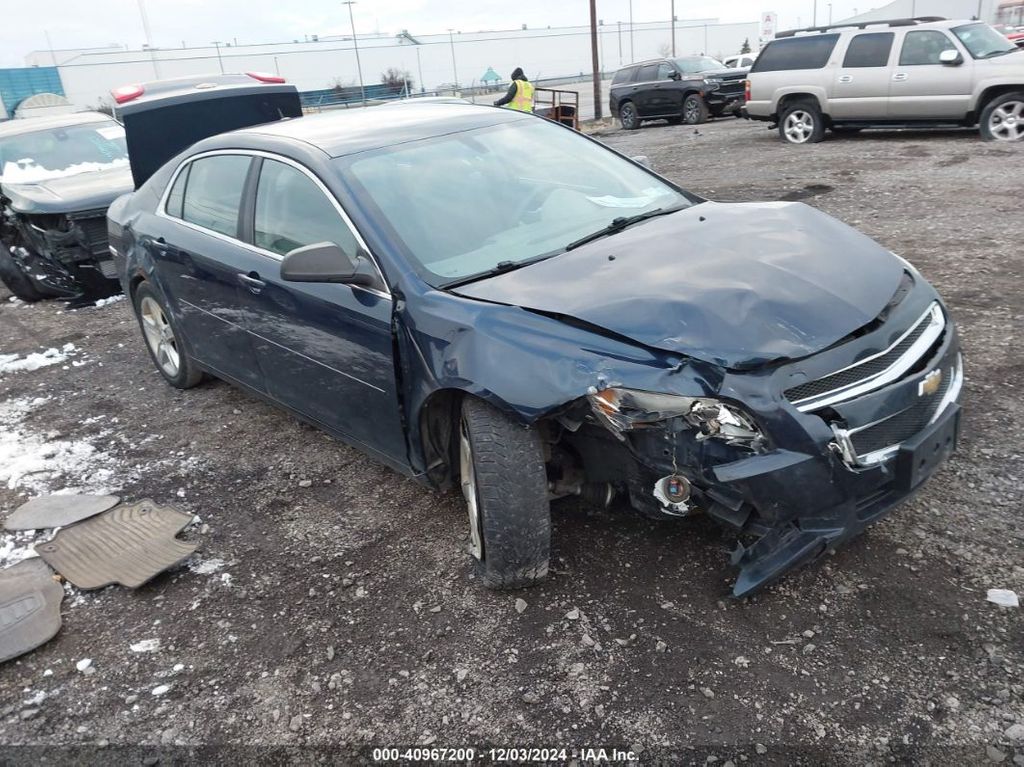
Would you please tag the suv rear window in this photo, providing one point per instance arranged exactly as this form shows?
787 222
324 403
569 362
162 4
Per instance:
808 52
870 50
624 75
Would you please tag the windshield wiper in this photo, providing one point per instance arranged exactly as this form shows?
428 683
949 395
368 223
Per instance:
501 267
620 223
993 54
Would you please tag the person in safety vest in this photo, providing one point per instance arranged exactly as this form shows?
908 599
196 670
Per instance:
520 93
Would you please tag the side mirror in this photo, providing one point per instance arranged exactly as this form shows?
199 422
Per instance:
642 159
327 262
674 76
951 57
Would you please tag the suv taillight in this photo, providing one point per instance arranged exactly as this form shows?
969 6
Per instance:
746 90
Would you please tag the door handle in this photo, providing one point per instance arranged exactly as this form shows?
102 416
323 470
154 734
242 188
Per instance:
160 245
252 281
899 77
846 78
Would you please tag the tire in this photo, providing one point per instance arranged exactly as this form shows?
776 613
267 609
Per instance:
15 278
628 116
501 467
1002 119
695 111
802 123
166 344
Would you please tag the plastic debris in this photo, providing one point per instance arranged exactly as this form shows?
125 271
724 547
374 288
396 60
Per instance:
1003 597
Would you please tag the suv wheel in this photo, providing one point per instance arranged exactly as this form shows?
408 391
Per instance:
1003 118
15 279
695 111
802 123
504 481
628 116
166 345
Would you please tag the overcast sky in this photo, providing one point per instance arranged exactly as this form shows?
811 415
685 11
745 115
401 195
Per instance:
84 23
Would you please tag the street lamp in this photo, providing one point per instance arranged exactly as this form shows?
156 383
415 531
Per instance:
217 44
355 46
673 28
455 70
632 54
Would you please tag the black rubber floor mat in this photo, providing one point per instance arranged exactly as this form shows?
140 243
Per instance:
129 545
58 511
29 607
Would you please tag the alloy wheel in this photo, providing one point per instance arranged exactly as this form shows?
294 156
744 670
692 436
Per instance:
799 126
468 480
160 337
627 115
692 114
1006 123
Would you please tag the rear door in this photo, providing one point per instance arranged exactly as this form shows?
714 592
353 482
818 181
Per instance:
326 350
195 248
646 95
861 87
923 88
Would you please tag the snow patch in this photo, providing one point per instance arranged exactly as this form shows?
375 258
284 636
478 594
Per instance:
107 301
26 171
206 567
146 645
12 363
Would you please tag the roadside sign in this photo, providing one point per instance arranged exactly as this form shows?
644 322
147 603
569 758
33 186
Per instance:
769 20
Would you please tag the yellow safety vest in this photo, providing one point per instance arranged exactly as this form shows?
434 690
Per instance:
523 100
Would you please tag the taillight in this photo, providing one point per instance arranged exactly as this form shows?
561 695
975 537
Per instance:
263 77
127 93
746 90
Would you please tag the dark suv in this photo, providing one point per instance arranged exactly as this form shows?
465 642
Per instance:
688 89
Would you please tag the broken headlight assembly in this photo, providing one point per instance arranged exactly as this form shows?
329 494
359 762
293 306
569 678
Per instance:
623 410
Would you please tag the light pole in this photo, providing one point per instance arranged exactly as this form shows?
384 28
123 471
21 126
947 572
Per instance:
149 41
419 68
620 42
594 60
455 70
217 44
814 18
830 14
355 47
673 28
632 53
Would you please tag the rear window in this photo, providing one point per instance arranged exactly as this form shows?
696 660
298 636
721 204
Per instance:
214 192
649 73
808 52
624 75
870 50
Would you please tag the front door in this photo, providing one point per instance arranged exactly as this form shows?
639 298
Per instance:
923 88
325 349
861 87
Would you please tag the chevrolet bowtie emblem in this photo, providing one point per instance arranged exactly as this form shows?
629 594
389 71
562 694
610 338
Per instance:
930 384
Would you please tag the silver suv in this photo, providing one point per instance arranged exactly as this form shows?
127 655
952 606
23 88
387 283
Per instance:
903 73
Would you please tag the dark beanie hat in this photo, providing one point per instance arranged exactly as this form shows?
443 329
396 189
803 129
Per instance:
518 74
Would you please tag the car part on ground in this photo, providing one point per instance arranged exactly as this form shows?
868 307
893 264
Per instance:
903 73
130 545
30 600
58 511
591 315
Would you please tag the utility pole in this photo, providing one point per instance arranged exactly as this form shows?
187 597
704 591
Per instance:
830 14
814 18
355 47
419 68
620 42
673 28
149 40
49 44
593 57
455 69
217 44
632 53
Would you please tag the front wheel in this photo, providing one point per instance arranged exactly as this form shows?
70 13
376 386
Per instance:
14 277
166 345
1003 118
695 111
802 123
628 116
504 482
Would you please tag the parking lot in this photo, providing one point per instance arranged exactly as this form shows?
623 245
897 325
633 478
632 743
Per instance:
331 604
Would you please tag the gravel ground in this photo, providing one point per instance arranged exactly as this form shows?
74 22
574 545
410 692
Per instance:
331 602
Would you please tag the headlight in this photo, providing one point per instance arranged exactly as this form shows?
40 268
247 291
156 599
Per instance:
713 83
628 409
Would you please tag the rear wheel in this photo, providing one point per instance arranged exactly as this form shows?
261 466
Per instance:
1003 118
628 116
15 278
802 123
166 345
504 482
695 111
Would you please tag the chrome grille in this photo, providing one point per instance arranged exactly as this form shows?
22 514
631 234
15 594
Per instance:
874 372
902 426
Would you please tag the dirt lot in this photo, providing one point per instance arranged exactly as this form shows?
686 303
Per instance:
331 603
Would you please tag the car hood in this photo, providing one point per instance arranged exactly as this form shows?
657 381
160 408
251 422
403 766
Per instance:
726 74
70 194
738 285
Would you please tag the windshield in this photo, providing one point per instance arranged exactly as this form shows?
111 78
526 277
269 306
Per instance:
28 158
694 65
460 205
982 41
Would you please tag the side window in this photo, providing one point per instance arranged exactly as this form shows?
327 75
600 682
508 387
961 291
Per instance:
788 53
292 211
870 50
624 75
214 192
924 47
176 198
648 73
747 62
665 71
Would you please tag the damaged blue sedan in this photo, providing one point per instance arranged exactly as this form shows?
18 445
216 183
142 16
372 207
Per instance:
483 298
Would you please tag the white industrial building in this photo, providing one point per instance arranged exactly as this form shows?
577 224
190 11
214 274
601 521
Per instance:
431 60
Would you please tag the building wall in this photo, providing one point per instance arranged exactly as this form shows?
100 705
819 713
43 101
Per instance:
18 84
546 53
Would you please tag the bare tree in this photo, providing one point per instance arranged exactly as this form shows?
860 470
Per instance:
397 80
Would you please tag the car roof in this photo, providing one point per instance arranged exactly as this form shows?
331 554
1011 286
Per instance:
853 28
45 122
343 132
